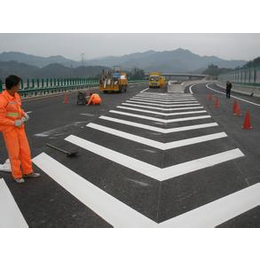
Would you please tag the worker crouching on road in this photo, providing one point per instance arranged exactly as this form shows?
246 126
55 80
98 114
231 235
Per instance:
94 99
12 119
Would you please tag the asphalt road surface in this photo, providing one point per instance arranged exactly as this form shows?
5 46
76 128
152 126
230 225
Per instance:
145 158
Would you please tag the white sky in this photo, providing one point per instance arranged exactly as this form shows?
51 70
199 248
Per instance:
227 46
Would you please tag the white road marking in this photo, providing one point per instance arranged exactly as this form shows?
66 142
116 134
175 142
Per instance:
159 119
120 215
190 88
150 170
163 109
219 211
155 144
143 90
10 214
232 96
164 102
173 98
158 129
28 112
160 105
112 210
162 114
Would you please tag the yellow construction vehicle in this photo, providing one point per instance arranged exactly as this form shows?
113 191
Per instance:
156 80
115 81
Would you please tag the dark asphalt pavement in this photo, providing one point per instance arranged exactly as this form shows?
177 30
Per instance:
45 203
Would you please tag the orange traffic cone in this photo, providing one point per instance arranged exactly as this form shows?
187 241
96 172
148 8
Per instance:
65 99
247 123
210 97
217 103
236 109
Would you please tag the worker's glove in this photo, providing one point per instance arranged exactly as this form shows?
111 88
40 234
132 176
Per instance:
18 123
25 118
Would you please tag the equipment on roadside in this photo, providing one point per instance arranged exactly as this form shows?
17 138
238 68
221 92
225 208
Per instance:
115 81
68 153
81 98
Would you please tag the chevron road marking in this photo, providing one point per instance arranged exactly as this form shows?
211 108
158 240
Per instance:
155 144
120 215
164 99
163 114
163 102
10 214
163 109
150 170
106 206
158 129
160 105
159 119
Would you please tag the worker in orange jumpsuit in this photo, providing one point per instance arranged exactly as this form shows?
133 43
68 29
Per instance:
94 99
12 119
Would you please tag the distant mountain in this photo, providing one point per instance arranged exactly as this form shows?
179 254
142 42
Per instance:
37 60
179 60
50 71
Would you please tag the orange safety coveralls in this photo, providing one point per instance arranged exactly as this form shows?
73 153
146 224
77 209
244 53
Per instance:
15 137
95 99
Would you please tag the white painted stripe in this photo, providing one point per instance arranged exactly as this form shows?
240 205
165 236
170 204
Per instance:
166 98
155 144
144 90
153 171
10 214
232 96
159 119
190 88
163 109
219 211
164 102
165 94
106 206
29 112
160 105
162 114
158 129
118 214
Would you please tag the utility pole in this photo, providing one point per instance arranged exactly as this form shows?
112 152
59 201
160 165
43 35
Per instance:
82 58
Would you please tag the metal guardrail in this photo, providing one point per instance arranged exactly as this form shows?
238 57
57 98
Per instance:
49 86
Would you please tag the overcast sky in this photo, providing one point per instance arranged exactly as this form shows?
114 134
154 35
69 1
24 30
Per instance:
227 46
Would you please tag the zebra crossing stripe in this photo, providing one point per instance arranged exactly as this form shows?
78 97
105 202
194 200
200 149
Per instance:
121 215
163 102
158 129
161 105
162 114
159 119
10 214
163 109
155 144
151 170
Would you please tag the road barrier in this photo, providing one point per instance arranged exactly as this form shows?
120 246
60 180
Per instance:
35 87
246 76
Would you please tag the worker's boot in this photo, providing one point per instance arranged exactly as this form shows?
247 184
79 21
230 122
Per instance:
19 180
32 175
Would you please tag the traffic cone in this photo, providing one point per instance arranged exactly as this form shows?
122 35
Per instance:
217 103
210 97
236 109
65 99
247 123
